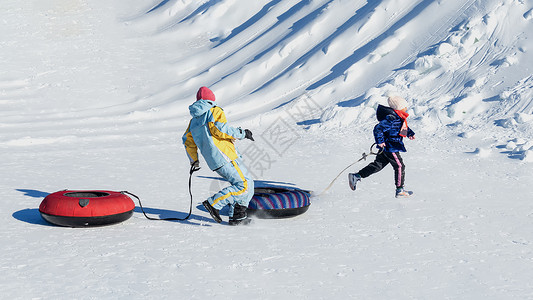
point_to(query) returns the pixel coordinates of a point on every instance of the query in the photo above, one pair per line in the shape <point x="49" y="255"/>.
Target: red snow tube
<point x="86" y="208"/>
<point x="278" y="202"/>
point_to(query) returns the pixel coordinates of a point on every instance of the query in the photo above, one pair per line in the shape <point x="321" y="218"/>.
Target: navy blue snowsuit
<point x="388" y="131"/>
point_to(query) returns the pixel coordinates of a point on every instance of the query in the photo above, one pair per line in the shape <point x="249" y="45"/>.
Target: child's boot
<point x="402" y="193"/>
<point x="212" y="211"/>
<point x="240" y="217"/>
<point x="353" y="179"/>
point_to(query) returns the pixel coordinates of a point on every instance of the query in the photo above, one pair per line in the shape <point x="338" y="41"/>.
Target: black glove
<point x="195" y="166"/>
<point x="248" y="134"/>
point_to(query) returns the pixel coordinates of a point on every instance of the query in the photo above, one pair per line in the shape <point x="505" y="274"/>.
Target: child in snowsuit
<point x="208" y="130"/>
<point x="389" y="134"/>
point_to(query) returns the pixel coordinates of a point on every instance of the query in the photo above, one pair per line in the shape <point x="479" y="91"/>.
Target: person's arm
<point x="190" y="146"/>
<point x="219" y="127"/>
<point x="379" y="132"/>
<point x="410" y="134"/>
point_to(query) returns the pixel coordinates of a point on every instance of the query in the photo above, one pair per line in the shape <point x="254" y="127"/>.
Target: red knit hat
<point x="205" y="93"/>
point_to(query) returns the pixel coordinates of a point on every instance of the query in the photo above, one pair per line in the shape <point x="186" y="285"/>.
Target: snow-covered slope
<point x="95" y="95"/>
<point x="456" y="62"/>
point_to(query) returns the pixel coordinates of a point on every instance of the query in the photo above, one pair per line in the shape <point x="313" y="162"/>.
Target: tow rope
<point x="365" y="155"/>
<point x="191" y="171"/>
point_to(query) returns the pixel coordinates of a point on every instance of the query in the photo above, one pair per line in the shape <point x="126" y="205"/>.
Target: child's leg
<point x="399" y="168"/>
<point x="240" y="191"/>
<point x="379" y="163"/>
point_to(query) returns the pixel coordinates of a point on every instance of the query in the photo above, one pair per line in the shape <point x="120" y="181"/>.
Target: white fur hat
<point x="397" y="102"/>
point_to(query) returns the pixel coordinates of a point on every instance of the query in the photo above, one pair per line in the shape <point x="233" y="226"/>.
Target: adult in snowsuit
<point x="208" y="131"/>
<point x="389" y="134"/>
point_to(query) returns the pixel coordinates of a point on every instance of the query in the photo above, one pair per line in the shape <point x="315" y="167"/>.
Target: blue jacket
<point x="208" y="131"/>
<point x="388" y="130"/>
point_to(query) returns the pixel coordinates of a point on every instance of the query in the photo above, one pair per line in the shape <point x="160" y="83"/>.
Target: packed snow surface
<point x="95" y="95"/>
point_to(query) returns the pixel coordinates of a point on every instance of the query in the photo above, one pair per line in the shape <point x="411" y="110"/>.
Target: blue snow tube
<point x="277" y="202"/>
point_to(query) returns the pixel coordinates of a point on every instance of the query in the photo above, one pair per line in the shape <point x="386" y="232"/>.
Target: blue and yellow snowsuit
<point x="208" y="131"/>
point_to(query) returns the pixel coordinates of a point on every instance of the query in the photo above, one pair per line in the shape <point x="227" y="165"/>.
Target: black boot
<point x="213" y="211"/>
<point x="240" y="217"/>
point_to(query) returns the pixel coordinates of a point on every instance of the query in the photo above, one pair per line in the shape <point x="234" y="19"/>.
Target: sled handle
<point x="379" y="150"/>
